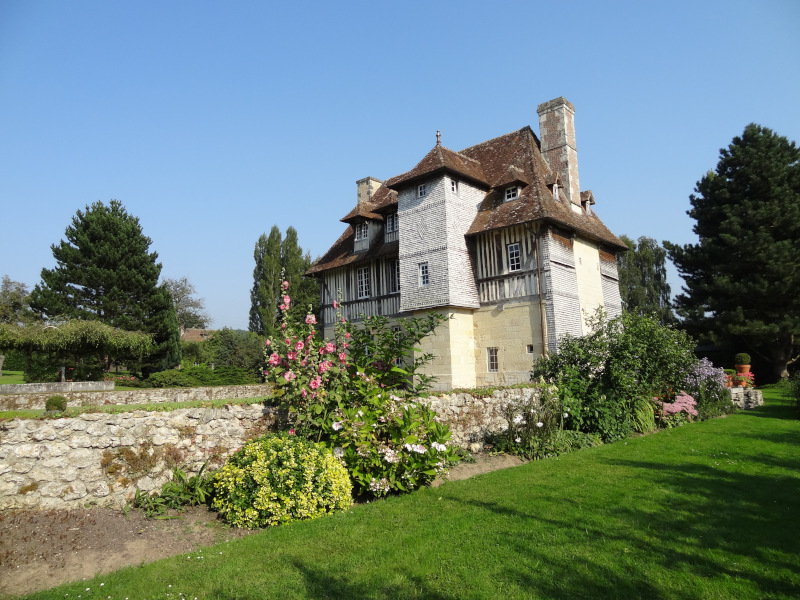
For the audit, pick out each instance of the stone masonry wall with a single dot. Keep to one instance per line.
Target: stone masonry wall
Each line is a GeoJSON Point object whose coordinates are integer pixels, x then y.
{"type": "Point", "coordinates": [102, 459]}
{"type": "Point", "coordinates": [144, 396]}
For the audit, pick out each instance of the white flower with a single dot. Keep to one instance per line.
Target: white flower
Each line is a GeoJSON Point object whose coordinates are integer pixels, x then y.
{"type": "Point", "coordinates": [337, 425]}
{"type": "Point", "coordinates": [540, 424]}
{"type": "Point", "coordinates": [566, 414]}
{"type": "Point", "coordinates": [518, 420]}
{"type": "Point", "coordinates": [439, 447]}
{"type": "Point", "coordinates": [518, 440]}
{"type": "Point", "coordinates": [338, 452]}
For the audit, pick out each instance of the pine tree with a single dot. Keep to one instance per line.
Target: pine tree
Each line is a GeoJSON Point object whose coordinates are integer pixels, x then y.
{"type": "Point", "coordinates": [743, 276]}
{"type": "Point", "coordinates": [643, 279]}
{"type": "Point", "coordinates": [106, 272]}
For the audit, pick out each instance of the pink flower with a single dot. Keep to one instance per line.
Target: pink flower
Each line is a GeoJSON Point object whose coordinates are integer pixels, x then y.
{"type": "Point", "coordinates": [303, 362]}
{"type": "Point", "coordinates": [286, 300]}
{"type": "Point", "coordinates": [330, 347]}
{"type": "Point", "coordinates": [304, 393]}
{"type": "Point", "coordinates": [291, 431]}
{"type": "Point", "coordinates": [342, 357]}
{"type": "Point", "coordinates": [267, 343]}
{"type": "Point", "coordinates": [311, 320]}
{"type": "Point", "coordinates": [335, 304]}
{"type": "Point", "coordinates": [347, 335]}
{"type": "Point", "coordinates": [289, 376]}
{"type": "Point", "coordinates": [345, 345]}
{"type": "Point", "coordinates": [292, 355]}
{"type": "Point", "coordinates": [315, 383]}
{"type": "Point", "coordinates": [282, 307]}
{"type": "Point", "coordinates": [299, 346]}
{"type": "Point", "coordinates": [288, 341]}
{"type": "Point", "coordinates": [343, 321]}
{"type": "Point", "coordinates": [285, 285]}
{"type": "Point", "coordinates": [283, 325]}
{"type": "Point", "coordinates": [274, 359]}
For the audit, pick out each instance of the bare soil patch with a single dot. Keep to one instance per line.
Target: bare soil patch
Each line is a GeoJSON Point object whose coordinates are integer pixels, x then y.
{"type": "Point", "coordinates": [39, 550]}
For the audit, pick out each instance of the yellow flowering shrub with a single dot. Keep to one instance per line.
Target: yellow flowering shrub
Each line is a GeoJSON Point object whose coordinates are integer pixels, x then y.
{"type": "Point", "coordinates": [278, 479]}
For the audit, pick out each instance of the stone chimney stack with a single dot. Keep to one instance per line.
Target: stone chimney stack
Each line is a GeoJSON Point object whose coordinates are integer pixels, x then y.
{"type": "Point", "coordinates": [557, 134]}
{"type": "Point", "coordinates": [367, 188]}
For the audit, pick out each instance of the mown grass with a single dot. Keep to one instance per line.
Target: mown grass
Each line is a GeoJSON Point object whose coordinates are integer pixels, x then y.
{"type": "Point", "coordinates": [122, 408]}
{"type": "Point", "coordinates": [10, 377]}
{"type": "Point", "coordinates": [707, 510]}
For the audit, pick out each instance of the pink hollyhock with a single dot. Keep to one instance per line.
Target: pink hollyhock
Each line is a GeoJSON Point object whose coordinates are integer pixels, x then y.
{"type": "Point", "coordinates": [311, 320]}
{"type": "Point", "coordinates": [283, 325]}
{"type": "Point", "coordinates": [330, 347]}
{"type": "Point", "coordinates": [347, 335]}
{"type": "Point", "coordinates": [285, 285]}
{"type": "Point", "coordinates": [299, 346]}
{"type": "Point", "coordinates": [315, 383]}
{"type": "Point", "coordinates": [303, 392]}
{"type": "Point", "coordinates": [292, 431]}
{"type": "Point", "coordinates": [282, 307]}
{"type": "Point", "coordinates": [286, 300]}
{"type": "Point", "coordinates": [289, 376]}
{"type": "Point", "coordinates": [274, 359]}
{"type": "Point", "coordinates": [342, 357]}
{"type": "Point", "coordinates": [292, 355]}
{"type": "Point", "coordinates": [335, 304]}
{"type": "Point", "coordinates": [288, 341]}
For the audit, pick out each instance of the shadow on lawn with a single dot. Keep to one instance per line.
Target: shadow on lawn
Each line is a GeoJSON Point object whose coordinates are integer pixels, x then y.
{"type": "Point", "coordinates": [772, 410]}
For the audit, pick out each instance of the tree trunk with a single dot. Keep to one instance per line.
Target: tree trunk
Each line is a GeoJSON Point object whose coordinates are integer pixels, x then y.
{"type": "Point", "coordinates": [2, 358]}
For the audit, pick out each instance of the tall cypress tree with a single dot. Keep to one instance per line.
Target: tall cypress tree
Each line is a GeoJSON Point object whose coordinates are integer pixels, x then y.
{"type": "Point", "coordinates": [643, 279]}
{"type": "Point", "coordinates": [106, 272]}
{"type": "Point", "coordinates": [266, 283]}
{"type": "Point", "coordinates": [743, 276]}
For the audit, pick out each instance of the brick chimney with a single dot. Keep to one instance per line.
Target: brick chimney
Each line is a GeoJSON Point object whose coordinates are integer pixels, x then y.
{"type": "Point", "coordinates": [557, 134]}
{"type": "Point", "coordinates": [367, 188]}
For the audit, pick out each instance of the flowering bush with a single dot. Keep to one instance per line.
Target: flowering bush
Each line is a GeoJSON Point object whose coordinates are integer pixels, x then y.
{"type": "Point", "coordinates": [278, 479]}
{"type": "Point", "coordinates": [706, 383]}
{"type": "Point", "coordinates": [347, 392]}
{"type": "Point", "coordinates": [678, 412]}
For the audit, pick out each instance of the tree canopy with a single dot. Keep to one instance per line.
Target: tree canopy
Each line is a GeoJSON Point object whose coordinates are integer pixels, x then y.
{"type": "Point", "coordinates": [742, 279]}
{"type": "Point", "coordinates": [276, 257]}
{"type": "Point", "coordinates": [106, 272]}
{"type": "Point", "coordinates": [643, 279]}
{"type": "Point", "coordinates": [190, 310]}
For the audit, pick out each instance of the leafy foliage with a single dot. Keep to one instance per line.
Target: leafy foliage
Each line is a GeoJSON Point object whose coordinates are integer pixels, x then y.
{"type": "Point", "coordinates": [106, 272]}
{"type": "Point", "coordinates": [742, 278]}
{"type": "Point", "coordinates": [189, 310]}
{"type": "Point", "coordinates": [236, 348]}
{"type": "Point", "coordinates": [55, 404]}
{"type": "Point", "coordinates": [278, 479]}
{"type": "Point", "coordinates": [643, 279]}
{"type": "Point", "coordinates": [347, 392]}
{"type": "Point", "coordinates": [178, 492]}
{"type": "Point", "coordinates": [600, 376]}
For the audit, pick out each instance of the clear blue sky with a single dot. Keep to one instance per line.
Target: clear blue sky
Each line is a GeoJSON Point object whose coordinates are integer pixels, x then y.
{"type": "Point", "coordinates": [212, 121]}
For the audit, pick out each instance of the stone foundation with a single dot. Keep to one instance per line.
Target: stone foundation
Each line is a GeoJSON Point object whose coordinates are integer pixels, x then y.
{"type": "Point", "coordinates": [746, 398]}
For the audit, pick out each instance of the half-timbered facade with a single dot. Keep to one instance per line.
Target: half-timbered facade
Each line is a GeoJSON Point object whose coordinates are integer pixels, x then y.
{"type": "Point", "coordinates": [498, 236]}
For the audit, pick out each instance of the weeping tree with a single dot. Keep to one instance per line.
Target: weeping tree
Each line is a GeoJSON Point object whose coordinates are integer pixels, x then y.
{"type": "Point", "coordinates": [75, 342]}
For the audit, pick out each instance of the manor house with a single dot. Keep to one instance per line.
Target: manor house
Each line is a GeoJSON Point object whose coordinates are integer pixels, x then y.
{"type": "Point", "coordinates": [498, 235]}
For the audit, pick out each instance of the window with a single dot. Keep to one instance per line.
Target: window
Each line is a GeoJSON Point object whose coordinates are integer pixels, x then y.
{"type": "Point", "coordinates": [362, 231]}
{"type": "Point", "coordinates": [393, 275]}
{"type": "Point", "coordinates": [391, 223]}
{"type": "Point", "coordinates": [454, 186]}
{"type": "Point", "coordinates": [530, 348]}
{"type": "Point", "coordinates": [422, 190]}
{"type": "Point", "coordinates": [424, 277]}
{"type": "Point", "coordinates": [514, 262]}
{"type": "Point", "coordinates": [363, 283]}
{"type": "Point", "coordinates": [512, 193]}
{"type": "Point", "coordinates": [491, 355]}
{"type": "Point", "coordinates": [555, 191]}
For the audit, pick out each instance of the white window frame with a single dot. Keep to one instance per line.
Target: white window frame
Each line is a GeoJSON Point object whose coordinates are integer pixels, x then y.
{"type": "Point", "coordinates": [424, 274]}
{"type": "Point", "coordinates": [512, 193]}
{"type": "Point", "coordinates": [492, 360]}
{"type": "Point", "coordinates": [454, 186]}
{"type": "Point", "coordinates": [391, 222]}
{"type": "Point", "coordinates": [514, 257]}
{"type": "Point", "coordinates": [422, 190]}
{"type": "Point", "coordinates": [363, 280]}
{"type": "Point", "coordinates": [362, 231]}
{"type": "Point", "coordinates": [393, 272]}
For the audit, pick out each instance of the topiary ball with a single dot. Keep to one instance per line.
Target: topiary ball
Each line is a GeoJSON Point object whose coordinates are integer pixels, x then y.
{"type": "Point", "coordinates": [280, 478]}
{"type": "Point", "coordinates": [55, 404]}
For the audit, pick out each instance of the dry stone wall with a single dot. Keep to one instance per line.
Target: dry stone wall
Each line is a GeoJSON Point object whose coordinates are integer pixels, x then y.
{"type": "Point", "coordinates": [102, 459]}
{"type": "Point", "coordinates": [144, 396]}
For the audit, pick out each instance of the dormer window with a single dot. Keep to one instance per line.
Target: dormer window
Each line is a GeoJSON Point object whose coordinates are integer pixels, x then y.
{"type": "Point", "coordinates": [512, 193]}
{"type": "Point", "coordinates": [422, 190]}
{"type": "Point", "coordinates": [555, 191]}
{"type": "Point", "coordinates": [454, 186]}
{"type": "Point", "coordinates": [391, 223]}
{"type": "Point", "coordinates": [362, 231]}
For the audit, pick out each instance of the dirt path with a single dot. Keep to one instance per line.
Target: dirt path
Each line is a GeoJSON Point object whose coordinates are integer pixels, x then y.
{"type": "Point", "coordinates": [39, 550]}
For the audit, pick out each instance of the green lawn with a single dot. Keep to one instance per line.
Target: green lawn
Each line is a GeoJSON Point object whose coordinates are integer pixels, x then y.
{"type": "Point", "coordinates": [11, 377]}
{"type": "Point", "coordinates": [708, 510]}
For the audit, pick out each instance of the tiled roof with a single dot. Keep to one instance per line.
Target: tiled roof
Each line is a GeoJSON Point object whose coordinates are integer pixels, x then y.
{"type": "Point", "coordinates": [511, 159]}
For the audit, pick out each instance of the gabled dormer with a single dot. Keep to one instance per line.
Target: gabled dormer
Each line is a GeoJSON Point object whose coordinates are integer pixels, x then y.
{"type": "Point", "coordinates": [365, 222]}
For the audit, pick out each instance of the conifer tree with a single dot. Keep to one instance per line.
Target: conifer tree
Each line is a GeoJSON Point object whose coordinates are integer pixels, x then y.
{"type": "Point", "coordinates": [106, 272]}
{"type": "Point", "coordinates": [742, 279]}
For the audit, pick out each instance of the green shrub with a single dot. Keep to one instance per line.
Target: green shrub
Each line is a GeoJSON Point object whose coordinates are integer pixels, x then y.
{"type": "Point", "coordinates": [644, 418]}
{"type": "Point", "coordinates": [55, 404]}
{"type": "Point", "coordinates": [178, 492]}
{"type": "Point", "coordinates": [532, 425]}
{"type": "Point", "coordinates": [171, 378]}
{"type": "Point", "coordinates": [204, 376]}
{"type": "Point", "coordinates": [742, 358]}
{"type": "Point", "coordinates": [15, 360]}
{"type": "Point", "coordinates": [278, 479]}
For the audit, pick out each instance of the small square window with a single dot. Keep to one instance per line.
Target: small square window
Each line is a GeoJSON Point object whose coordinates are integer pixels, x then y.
{"type": "Point", "coordinates": [530, 348]}
{"type": "Point", "coordinates": [364, 290]}
{"type": "Point", "coordinates": [424, 276]}
{"type": "Point", "coordinates": [491, 354]}
{"type": "Point", "coordinates": [512, 193]}
{"type": "Point", "coordinates": [454, 186]}
{"type": "Point", "coordinates": [514, 260]}
{"type": "Point", "coordinates": [422, 190]}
